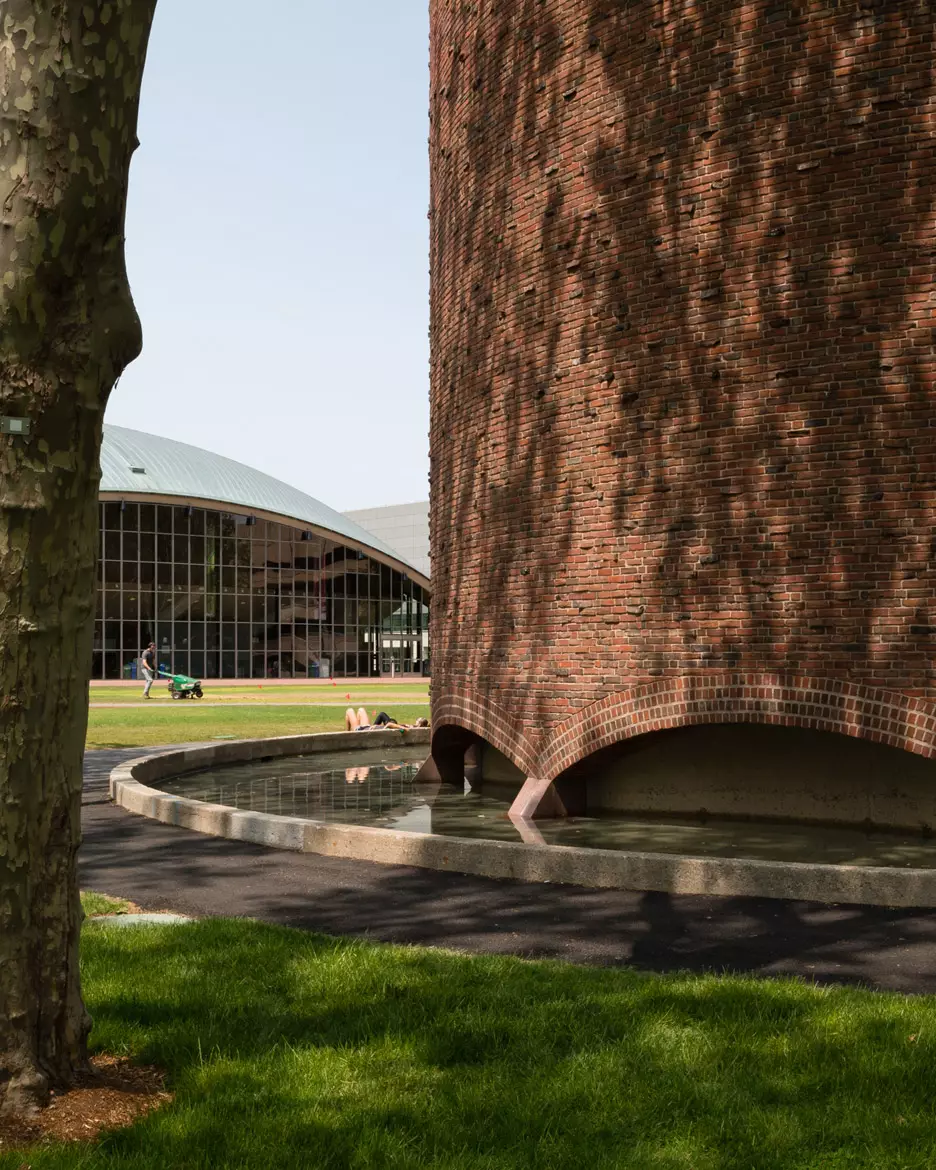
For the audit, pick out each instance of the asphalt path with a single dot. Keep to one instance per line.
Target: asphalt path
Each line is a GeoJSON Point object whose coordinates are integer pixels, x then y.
{"type": "Point", "coordinates": [161, 867]}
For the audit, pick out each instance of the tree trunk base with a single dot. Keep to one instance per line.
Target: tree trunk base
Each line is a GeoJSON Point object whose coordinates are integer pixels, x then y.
{"type": "Point", "coordinates": [110, 1094]}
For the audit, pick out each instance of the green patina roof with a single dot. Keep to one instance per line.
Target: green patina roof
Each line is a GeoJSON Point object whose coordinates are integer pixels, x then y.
{"type": "Point", "coordinates": [177, 469]}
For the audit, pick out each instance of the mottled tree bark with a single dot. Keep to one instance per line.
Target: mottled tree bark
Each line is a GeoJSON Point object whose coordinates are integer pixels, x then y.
{"type": "Point", "coordinates": [69, 90]}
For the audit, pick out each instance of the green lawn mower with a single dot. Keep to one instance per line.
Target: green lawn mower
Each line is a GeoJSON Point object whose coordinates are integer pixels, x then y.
{"type": "Point", "coordinates": [183, 687]}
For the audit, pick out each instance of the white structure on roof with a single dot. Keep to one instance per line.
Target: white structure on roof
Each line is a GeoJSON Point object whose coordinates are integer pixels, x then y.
{"type": "Point", "coordinates": [404, 527]}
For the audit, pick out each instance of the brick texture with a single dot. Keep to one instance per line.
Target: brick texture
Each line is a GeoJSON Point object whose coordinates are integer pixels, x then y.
{"type": "Point", "coordinates": [683, 315]}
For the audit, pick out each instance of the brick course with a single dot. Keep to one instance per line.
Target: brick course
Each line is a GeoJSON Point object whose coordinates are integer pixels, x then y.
{"type": "Point", "coordinates": [683, 314]}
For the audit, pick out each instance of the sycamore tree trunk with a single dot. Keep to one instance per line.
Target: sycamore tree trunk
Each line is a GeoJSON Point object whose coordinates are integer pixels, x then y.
{"type": "Point", "coordinates": [70, 76]}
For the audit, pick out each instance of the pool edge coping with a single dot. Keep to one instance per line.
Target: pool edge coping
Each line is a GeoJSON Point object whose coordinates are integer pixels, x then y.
{"type": "Point", "coordinates": [131, 788]}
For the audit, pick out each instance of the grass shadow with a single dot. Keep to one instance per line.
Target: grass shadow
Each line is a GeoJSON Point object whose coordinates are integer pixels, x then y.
{"type": "Point", "coordinates": [297, 1050]}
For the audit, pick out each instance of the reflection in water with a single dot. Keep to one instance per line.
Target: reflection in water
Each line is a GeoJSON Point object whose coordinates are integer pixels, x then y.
{"type": "Point", "coordinates": [319, 787]}
{"type": "Point", "coordinates": [381, 792]}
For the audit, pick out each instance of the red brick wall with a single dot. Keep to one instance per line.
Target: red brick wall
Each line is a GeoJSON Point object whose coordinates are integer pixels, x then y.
{"type": "Point", "coordinates": [683, 315]}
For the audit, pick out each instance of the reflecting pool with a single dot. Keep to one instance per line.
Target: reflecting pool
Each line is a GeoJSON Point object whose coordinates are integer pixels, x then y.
{"type": "Point", "coordinates": [379, 789]}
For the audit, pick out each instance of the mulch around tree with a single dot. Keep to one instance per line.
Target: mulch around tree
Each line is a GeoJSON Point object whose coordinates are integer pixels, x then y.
{"type": "Point", "coordinates": [111, 1096]}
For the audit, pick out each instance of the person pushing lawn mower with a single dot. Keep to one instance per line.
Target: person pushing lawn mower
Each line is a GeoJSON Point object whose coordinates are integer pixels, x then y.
{"type": "Point", "coordinates": [148, 665]}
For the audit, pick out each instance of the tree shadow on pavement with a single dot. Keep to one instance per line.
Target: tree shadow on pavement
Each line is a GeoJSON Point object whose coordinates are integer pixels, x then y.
{"type": "Point", "coordinates": [163, 867]}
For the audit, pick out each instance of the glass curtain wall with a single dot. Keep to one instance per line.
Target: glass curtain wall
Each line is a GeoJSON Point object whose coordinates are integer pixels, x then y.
{"type": "Point", "coordinates": [231, 596]}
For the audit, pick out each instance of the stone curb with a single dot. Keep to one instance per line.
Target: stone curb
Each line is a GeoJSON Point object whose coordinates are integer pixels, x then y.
{"type": "Point", "coordinates": [142, 919]}
{"type": "Point", "coordinates": [130, 787]}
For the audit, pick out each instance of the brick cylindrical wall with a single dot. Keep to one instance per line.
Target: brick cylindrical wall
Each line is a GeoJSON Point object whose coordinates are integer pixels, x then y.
{"type": "Point", "coordinates": [683, 425]}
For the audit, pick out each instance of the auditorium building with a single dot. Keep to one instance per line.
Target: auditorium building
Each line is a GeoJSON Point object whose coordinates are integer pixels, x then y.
{"type": "Point", "coordinates": [234, 574]}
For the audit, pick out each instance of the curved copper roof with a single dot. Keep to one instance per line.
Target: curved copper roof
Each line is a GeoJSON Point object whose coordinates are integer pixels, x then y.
{"type": "Point", "coordinates": [169, 468]}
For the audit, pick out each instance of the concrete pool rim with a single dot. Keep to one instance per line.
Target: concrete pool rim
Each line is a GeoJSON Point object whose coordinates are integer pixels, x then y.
{"type": "Point", "coordinates": [134, 787]}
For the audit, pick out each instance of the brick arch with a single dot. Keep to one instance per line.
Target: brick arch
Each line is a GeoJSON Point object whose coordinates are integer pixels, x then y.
{"type": "Point", "coordinates": [487, 720]}
{"type": "Point", "coordinates": [821, 704]}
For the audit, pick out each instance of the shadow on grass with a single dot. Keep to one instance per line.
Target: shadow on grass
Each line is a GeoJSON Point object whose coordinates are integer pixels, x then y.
{"type": "Point", "coordinates": [290, 1049]}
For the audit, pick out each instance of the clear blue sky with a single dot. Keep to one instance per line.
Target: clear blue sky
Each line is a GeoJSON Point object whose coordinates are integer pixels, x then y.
{"type": "Point", "coordinates": [277, 242]}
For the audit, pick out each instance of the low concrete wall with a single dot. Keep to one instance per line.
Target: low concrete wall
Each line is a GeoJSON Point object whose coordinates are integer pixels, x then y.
{"type": "Point", "coordinates": [241, 751]}
{"type": "Point", "coordinates": [131, 787]}
{"type": "Point", "coordinates": [753, 771]}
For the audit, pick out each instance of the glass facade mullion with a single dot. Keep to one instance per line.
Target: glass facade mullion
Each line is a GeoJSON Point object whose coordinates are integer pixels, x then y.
{"type": "Point", "coordinates": [225, 597]}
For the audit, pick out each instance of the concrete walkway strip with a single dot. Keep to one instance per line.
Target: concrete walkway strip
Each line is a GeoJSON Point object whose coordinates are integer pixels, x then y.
{"type": "Point", "coordinates": [159, 702]}
{"type": "Point", "coordinates": [138, 919]}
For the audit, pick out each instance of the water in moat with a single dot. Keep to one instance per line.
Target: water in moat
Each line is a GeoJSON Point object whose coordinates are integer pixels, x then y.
{"type": "Point", "coordinates": [379, 789]}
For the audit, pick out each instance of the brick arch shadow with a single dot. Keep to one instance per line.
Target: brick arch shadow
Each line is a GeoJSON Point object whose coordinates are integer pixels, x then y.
{"type": "Point", "coordinates": [866, 712]}
{"type": "Point", "coordinates": [486, 719]}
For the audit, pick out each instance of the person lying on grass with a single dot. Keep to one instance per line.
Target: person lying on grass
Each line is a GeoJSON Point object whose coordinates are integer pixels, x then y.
{"type": "Point", "coordinates": [358, 721]}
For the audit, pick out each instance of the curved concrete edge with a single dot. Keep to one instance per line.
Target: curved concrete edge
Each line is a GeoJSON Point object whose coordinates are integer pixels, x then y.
{"type": "Point", "coordinates": [613, 869]}
{"type": "Point", "coordinates": [161, 765]}
{"type": "Point", "coordinates": [131, 783]}
{"type": "Point", "coordinates": [599, 868]}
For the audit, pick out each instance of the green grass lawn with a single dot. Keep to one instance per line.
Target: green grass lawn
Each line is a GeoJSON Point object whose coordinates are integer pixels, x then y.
{"type": "Point", "coordinates": [417, 692]}
{"type": "Point", "coordinates": [288, 1050]}
{"type": "Point", "coordinates": [93, 903]}
{"type": "Point", "coordinates": [189, 721]}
